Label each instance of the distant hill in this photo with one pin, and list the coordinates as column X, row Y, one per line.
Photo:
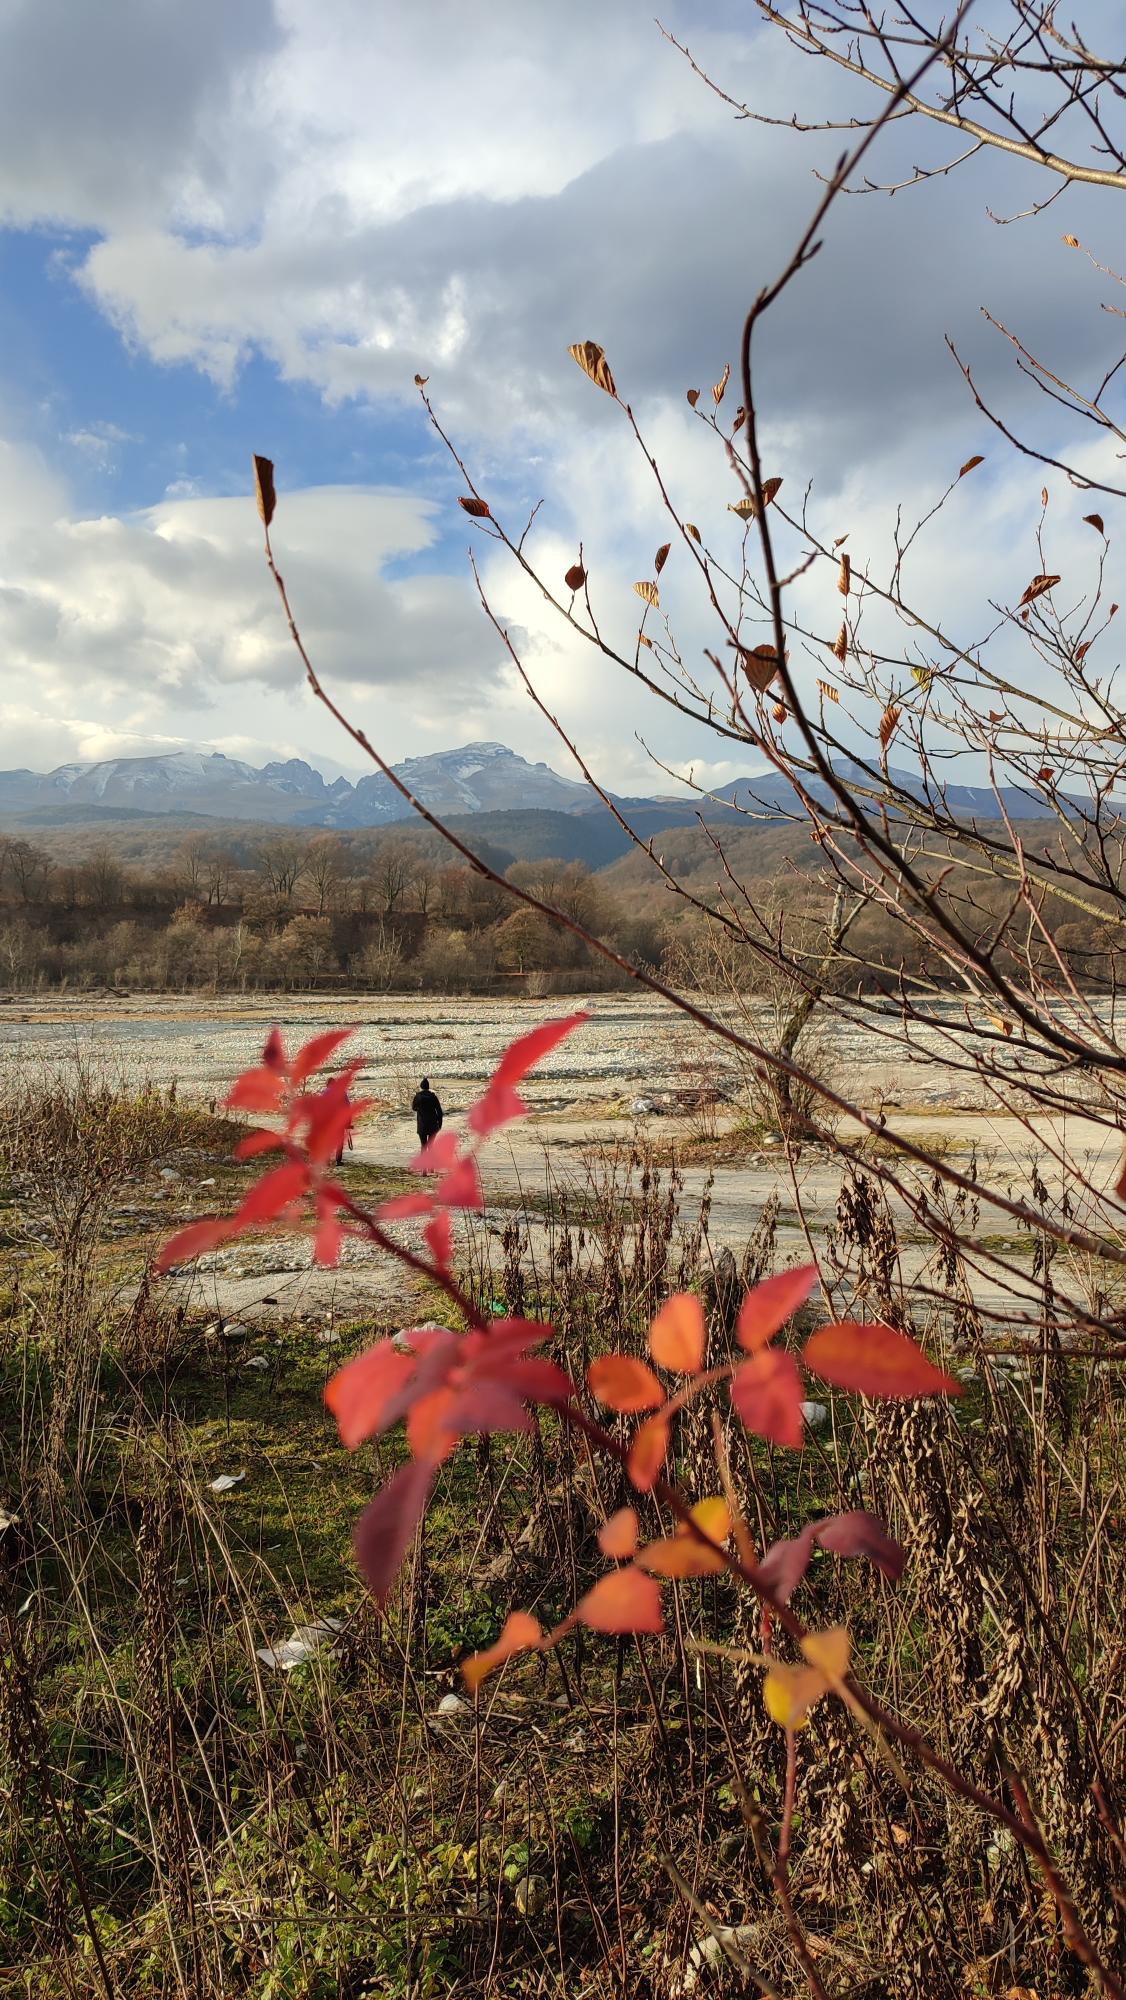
column 479, row 779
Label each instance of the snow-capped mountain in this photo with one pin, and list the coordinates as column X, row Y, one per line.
column 479, row 777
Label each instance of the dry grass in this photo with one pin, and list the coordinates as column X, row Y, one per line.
column 179, row 1818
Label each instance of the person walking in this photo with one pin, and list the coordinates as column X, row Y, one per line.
column 427, row 1112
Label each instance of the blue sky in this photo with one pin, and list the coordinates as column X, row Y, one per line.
column 243, row 227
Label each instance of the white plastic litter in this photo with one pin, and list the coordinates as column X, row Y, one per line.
column 304, row 1642
column 226, row 1480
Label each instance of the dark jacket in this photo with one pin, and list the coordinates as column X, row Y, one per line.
column 427, row 1114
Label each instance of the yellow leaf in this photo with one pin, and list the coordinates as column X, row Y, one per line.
column 745, row 509
column 649, row 592
column 923, row 675
column 828, row 690
column 844, row 580
column 713, row 1516
column 790, row 1692
column 830, row 1652
column 1072, row 242
column 593, row 362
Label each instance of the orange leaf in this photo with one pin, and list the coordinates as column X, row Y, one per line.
column 970, row 463
column 518, row 1634
column 826, row 687
column 840, row 646
column 618, row 1536
column 875, row 1360
column 677, row 1335
column 766, row 1309
column 720, row 387
column 647, row 1452
column 649, row 592
column 681, row 1556
column 264, row 488
column 593, row 362
column 889, row 723
column 844, row 580
column 1037, row 587
column 626, row 1601
column 478, row 508
column 693, row 396
column 625, row 1383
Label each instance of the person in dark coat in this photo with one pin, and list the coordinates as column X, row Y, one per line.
column 427, row 1112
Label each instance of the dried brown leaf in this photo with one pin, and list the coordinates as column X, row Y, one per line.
column 844, row 580
column 690, row 528
column 740, row 420
column 1045, row 774
column 720, row 388
column 779, row 711
column 889, row 723
column 264, row 488
column 478, row 508
column 1095, row 521
column 649, row 592
column 1072, row 242
column 693, row 396
column 661, row 557
column 575, row 577
column 977, row 459
column 420, row 381
column 1082, row 651
column 840, row 644
column 1037, row 588
column 1043, row 496
column 593, row 362
column 828, row 690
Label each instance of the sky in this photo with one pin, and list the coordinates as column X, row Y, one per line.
column 245, row 227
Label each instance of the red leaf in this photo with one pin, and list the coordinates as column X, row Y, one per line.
column 766, row 1392
column 273, row 1192
column 647, row 1452
column 523, row 1054
column 784, row 1565
column 326, row 1242
column 859, row 1533
column 363, row 1392
column 519, row 1633
column 498, row 1107
column 875, row 1360
column 439, row 1236
column 767, row 1308
column 677, row 1336
column 401, row 1206
column 273, row 1055
column 575, row 577
column 618, row 1536
column 191, row 1242
column 625, row 1383
column 258, row 1142
column 385, row 1529
column 626, row 1601
column 256, row 1090
column 461, row 1187
column 317, row 1052
column 437, row 1154
column 854, row 1534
